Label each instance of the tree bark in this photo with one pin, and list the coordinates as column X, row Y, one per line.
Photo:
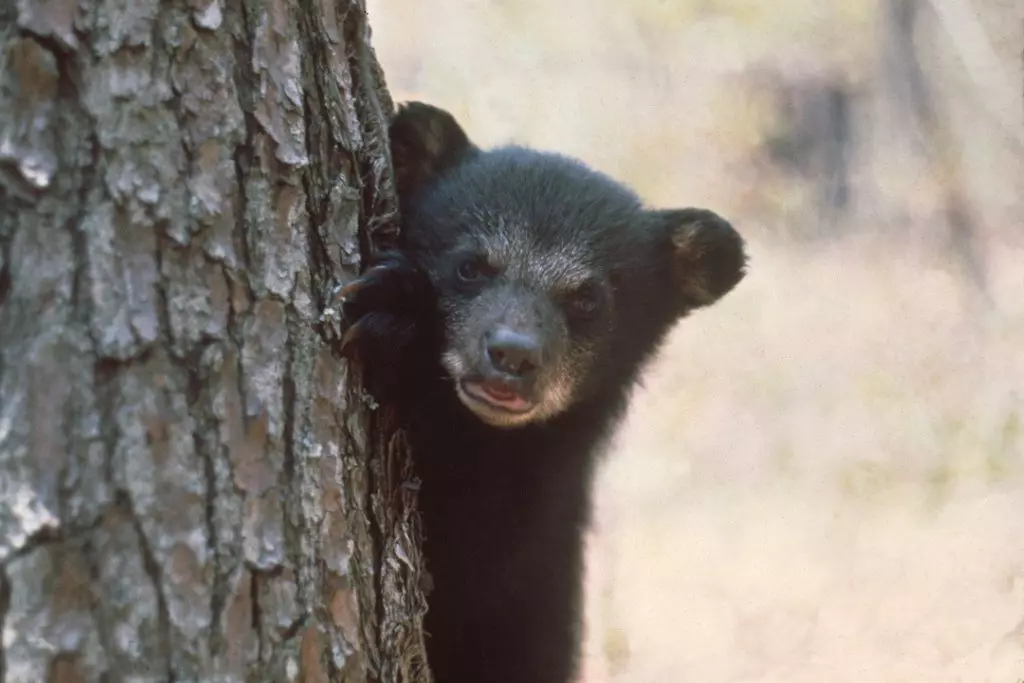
column 192, row 485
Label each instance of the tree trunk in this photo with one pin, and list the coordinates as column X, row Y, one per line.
column 192, row 488
column 912, row 93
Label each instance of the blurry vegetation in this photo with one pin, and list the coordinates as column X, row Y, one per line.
column 804, row 118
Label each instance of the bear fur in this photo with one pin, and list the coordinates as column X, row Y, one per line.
column 507, row 329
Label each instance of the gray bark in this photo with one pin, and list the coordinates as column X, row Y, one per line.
column 192, row 486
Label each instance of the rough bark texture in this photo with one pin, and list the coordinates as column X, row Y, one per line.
column 191, row 486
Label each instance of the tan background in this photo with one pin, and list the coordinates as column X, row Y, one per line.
column 823, row 476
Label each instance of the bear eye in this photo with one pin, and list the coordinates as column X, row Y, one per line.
column 586, row 302
column 473, row 269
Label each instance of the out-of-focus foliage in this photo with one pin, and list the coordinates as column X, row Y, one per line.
column 696, row 100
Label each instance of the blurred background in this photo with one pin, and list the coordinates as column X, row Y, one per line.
column 822, row 477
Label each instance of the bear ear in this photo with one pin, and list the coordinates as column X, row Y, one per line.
column 708, row 257
column 425, row 141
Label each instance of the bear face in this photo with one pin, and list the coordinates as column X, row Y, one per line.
column 538, row 263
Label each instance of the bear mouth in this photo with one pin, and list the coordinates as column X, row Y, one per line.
column 496, row 396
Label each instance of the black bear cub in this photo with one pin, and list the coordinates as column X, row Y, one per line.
column 507, row 329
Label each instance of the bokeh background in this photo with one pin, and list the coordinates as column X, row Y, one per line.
column 822, row 477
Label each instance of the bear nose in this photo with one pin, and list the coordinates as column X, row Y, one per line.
column 512, row 352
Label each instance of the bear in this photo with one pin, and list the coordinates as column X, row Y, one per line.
column 506, row 327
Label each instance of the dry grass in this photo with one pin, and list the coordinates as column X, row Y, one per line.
column 822, row 480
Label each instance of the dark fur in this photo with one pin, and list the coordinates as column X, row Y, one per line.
column 505, row 501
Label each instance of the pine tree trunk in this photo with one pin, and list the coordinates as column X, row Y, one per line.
column 192, row 487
